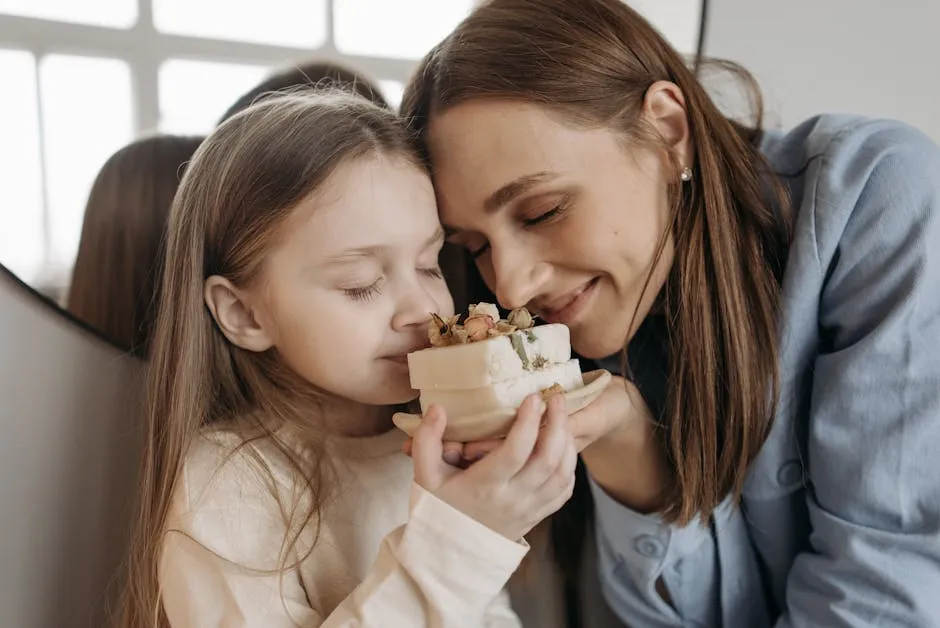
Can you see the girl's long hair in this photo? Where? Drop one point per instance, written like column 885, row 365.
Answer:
column 242, row 184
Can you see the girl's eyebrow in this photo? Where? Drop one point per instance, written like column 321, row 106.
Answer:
column 357, row 254
column 351, row 256
column 439, row 234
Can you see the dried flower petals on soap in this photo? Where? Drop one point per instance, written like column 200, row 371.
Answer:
column 502, row 329
column 441, row 332
column 539, row 362
column 521, row 318
column 554, row 389
column 478, row 327
column 484, row 309
column 482, row 323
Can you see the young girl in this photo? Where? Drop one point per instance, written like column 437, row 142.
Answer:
column 302, row 266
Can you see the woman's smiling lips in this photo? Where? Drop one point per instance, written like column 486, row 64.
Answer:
column 566, row 308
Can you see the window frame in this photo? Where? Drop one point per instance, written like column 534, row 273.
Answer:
column 144, row 49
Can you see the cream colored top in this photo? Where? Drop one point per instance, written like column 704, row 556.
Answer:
column 381, row 559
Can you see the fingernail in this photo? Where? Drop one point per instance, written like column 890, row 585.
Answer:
column 536, row 403
column 452, row 458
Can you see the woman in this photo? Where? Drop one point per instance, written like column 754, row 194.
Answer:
column 120, row 255
column 770, row 458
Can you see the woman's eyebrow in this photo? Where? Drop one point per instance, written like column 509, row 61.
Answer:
column 514, row 189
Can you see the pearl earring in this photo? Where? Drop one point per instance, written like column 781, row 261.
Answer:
column 686, row 174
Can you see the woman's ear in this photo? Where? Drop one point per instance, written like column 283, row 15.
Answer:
column 664, row 109
column 233, row 314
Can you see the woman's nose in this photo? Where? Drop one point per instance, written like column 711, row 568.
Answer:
column 517, row 276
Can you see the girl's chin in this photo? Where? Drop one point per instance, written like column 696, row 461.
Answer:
column 406, row 397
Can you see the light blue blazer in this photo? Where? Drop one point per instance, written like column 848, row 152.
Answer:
column 840, row 524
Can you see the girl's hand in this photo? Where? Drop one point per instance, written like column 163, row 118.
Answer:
column 528, row 476
column 620, row 409
column 616, row 437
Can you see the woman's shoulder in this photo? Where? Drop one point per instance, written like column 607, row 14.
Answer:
column 848, row 175
column 849, row 144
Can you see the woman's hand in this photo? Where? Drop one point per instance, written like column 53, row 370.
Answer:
column 528, row 476
column 617, row 414
column 616, row 435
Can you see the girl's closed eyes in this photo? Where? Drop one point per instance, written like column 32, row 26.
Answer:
column 365, row 293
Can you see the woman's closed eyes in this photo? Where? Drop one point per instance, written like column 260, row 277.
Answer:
column 557, row 212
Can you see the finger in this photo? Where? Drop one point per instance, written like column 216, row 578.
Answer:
column 563, row 473
column 453, row 453
column 428, row 449
column 601, row 415
column 476, row 450
column 406, row 446
column 550, row 447
column 560, row 486
column 510, row 457
column 583, row 426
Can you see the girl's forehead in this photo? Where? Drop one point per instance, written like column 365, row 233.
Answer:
column 367, row 204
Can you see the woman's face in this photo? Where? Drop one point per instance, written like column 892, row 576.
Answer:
column 562, row 220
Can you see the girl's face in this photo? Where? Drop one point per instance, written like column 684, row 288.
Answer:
column 561, row 220
column 348, row 288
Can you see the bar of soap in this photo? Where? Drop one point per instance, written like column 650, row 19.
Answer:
column 480, row 364
column 503, row 394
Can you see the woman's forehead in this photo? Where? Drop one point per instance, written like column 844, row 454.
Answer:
column 482, row 150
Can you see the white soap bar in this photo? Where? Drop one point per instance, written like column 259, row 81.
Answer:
column 478, row 364
column 506, row 394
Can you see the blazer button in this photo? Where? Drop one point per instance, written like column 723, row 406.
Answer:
column 790, row 474
column 649, row 546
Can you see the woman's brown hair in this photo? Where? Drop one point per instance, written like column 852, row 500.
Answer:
column 120, row 255
column 243, row 183
column 591, row 62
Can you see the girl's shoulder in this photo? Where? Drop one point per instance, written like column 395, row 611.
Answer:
column 235, row 496
column 226, row 462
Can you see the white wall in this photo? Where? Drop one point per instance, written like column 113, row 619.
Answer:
column 70, row 442
column 871, row 57
column 677, row 20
